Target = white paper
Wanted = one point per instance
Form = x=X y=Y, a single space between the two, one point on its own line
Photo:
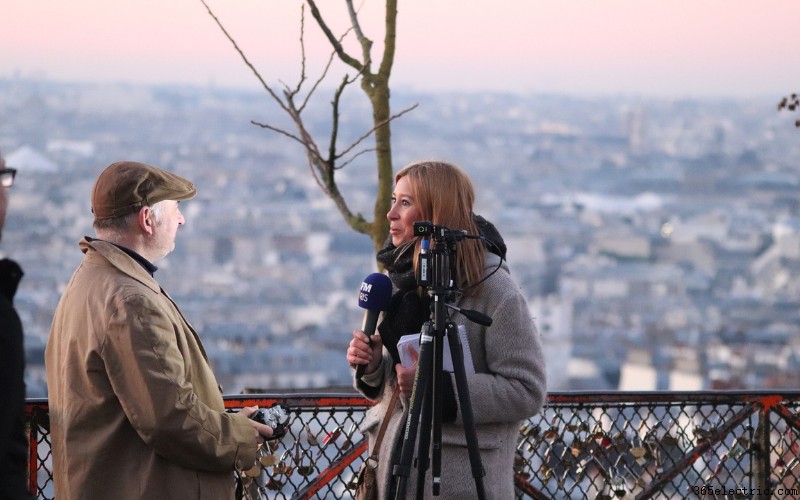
x=447 y=359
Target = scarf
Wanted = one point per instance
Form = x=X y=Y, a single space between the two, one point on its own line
x=408 y=310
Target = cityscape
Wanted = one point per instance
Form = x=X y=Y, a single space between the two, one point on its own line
x=657 y=240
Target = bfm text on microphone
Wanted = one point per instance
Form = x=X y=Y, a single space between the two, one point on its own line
x=374 y=295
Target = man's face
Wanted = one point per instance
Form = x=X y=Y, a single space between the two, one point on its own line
x=3 y=207
x=166 y=229
x=3 y=200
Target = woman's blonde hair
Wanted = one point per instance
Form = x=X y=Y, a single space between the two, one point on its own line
x=444 y=195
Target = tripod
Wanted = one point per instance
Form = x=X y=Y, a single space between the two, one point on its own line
x=425 y=413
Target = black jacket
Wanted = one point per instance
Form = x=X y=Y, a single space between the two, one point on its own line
x=13 y=441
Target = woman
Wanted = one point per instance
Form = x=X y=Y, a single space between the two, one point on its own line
x=508 y=383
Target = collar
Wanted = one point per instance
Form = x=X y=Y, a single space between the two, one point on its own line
x=146 y=264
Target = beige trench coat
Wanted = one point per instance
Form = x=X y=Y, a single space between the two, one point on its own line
x=135 y=410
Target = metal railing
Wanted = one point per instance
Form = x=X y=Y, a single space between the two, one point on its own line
x=710 y=445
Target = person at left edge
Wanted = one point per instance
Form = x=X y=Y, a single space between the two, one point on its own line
x=13 y=443
x=135 y=409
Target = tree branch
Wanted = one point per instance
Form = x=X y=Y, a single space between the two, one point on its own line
x=389 y=38
x=376 y=88
x=373 y=129
x=244 y=57
x=366 y=43
x=335 y=43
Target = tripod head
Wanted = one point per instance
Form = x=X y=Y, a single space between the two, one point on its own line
x=437 y=260
x=437 y=265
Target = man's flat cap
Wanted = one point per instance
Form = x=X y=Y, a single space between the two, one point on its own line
x=126 y=186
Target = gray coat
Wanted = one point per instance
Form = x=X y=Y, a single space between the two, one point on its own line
x=507 y=387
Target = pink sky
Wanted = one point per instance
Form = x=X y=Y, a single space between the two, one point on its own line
x=676 y=47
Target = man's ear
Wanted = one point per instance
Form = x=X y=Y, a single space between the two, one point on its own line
x=145 y=220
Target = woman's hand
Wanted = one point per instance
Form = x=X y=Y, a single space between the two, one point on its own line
x=405 y=374
x=365 y=350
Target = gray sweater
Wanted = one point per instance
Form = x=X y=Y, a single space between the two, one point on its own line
x=507 y=387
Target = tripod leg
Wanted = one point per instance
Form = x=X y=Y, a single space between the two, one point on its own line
x=465 y=405
x=424 y=443
x=402 y=470
x=438 y=376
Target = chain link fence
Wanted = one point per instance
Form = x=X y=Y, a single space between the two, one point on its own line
x=598 y=446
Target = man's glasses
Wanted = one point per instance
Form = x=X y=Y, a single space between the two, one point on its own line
x=7 y=176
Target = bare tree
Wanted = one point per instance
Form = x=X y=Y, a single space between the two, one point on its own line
x=324 y=161
x=791 y=103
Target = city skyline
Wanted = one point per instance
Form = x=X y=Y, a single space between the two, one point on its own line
x=674 y=49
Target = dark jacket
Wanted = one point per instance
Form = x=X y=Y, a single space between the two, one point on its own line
x=13 y=441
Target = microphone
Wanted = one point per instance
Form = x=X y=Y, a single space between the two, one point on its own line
x=374 y=295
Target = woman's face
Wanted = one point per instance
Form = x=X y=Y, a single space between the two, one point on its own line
x=403 y=214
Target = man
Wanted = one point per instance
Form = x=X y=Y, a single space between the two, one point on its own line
x=13 y=443
x=135 y=410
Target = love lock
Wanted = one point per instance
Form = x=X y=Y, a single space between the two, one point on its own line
x=268 y=460
x=284 y=465
x=531 y=434
x=618 y=486
x=303 y=461
x=331 y=437
x=253 y=471
x=348 y=441
x=789 y=467
x=312 y=439
x=637 y=449
x=740 y=446
x=529 y=430
x=551 y=433
x=265 y=457
x=522 y=466
x=583 y=465
x=274 y=484
x=605 y=493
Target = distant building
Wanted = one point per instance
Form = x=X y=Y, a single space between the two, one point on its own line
x=27 y=158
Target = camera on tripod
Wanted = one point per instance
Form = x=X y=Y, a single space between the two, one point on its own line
x=436 y=270
x=436 y=263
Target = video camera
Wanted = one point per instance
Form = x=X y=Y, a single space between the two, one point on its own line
x=436 y=265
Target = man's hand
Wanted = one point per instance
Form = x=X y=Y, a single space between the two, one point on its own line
x=263 y=431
